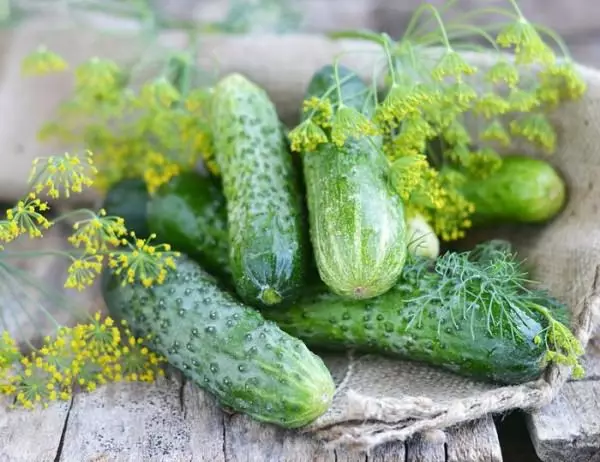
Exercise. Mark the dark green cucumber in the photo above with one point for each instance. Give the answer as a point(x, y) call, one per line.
point(266, 227)
point(127, 199)
point(224, 346)
point(523, 190)
point(189, 213)
point(357, 224)
point(447, 314)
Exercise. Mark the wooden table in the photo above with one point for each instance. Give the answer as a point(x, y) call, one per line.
point(173, 420)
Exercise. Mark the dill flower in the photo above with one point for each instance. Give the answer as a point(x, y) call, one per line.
point(159, 170)
point(350, 123)
point(496, 131)
point(482, 163)
point(452, 65)
point(144, 262)
point(98, 78)
point(522, 100)
point(69, 173)
point(503, 72)
point(159, 92)
point(562, 82)
point(536, 128)
point(320, 111)
point(43, 61)
point(83, 271)
point(306, 136)
point(490, 104)
point(98, 232)
point(27, 216)
point(529, 46)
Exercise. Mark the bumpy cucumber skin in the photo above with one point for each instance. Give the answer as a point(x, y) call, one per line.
point(267, 233)
point(189, 213)
point(381, 326)
point(523, 190)
point(225, 347)
point(128, 199)
point(357, 224)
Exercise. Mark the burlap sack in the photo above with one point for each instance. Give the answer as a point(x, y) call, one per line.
point(377, 400)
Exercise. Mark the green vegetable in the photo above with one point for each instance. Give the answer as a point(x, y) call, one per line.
point(224, 346)
point(189, 213)
point(465, 312)
point(523, 190)
point(127, 199)
point(266, 226)
point(357, 223)
point(422, 240)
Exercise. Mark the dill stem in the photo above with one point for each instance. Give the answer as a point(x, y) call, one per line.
point(517, 9)
point(37, 253)
point(67, 215)
point(336, 77)
point(554, 36)
point(388, 56)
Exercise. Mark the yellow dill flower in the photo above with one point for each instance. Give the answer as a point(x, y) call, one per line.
point(482, 163)
point(456, 134)
point(403, 101)
point(159, 92)
point(496, 131)
point(461, 94)
point(451, 220)
point(522, 100)
point(320, 111)
point(452, 65)
point(83, 271)
point(348, 122)
point(529, 46)
point(26, 216)
point(69, 173)
point(143, 262)
point(491, 104)
point(98, 77)
point(306, 136)
point(562, 82)
point(536, 128)
point(99, 232)
point(43, 61)
point(159, 170)
point(407, 172)
point(503, 72)
point(9, 353)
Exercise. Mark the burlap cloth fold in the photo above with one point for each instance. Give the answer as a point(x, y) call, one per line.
point(377, 400)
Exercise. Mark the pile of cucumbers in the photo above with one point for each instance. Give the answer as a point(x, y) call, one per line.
point(282, 257)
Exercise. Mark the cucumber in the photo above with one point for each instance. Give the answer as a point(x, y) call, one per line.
point(189, 213)
point(128, 199)
point(357, 223)
point(267, 235)
point(225, 347)
point(465, 316)
point(523, 190)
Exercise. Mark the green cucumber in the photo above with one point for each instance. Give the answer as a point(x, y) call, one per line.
point(189, 213)
point(268, 238)
point(224, 346)
point(523, 190)
point(357, 223)
point(127, 199)
point(466, 315)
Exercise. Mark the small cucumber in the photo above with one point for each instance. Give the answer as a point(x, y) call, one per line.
point(268, 237)
point(445, 313)
point(127, 199)
point(523, 190)
point(189, 213)
point(357, 224)
point(225, 347)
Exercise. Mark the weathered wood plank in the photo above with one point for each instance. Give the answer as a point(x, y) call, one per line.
point(568, 429)
point(128, 422)
point(31, 435)
point(474, 441)
point(429, 448)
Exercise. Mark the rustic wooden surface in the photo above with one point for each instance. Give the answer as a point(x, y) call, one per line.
point(569, 428)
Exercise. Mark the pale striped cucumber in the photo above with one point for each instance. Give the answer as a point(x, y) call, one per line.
point(357, 222)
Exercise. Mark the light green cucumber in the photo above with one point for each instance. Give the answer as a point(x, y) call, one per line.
point(523, 190)
point(357, 223)
point(267, 234)
point(224, 346)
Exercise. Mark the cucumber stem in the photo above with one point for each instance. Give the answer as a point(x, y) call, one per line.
point(270, 296)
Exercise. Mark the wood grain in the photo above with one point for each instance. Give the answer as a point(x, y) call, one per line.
point(569, 428)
